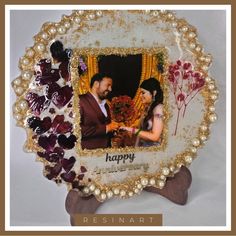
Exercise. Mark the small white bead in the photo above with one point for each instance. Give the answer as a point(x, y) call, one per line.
point(136, 190)
point(208, 59)
point(214, 96)
point(122, 193)
point(99, 13)
point(188, 159)
point(212, 117)
point(152, 181)
point(18, 116)
point(86, 190)
point(23, 104)
point(192, 45)
point(109, 194)
point(203, 127)
point(61, 30)
point(130, 194)
point(161, 183)
point(208, 79)
point(212, 108)
point(203, 138)
point(67, 24)
point(92, 187)
point(191, 35)
point(147, 11)
point(165, 171)
point(172, 168)
point(162, 177)
point(44, 35)
point(144, 181)
point(116, 191)
point(52, 30)
point(174, 24)
point(169, 15)
point(80, 12)
point(211, 86)
point(139, 186)
point(19, 90)
point(40, 47)
point(179, 165)
point(198, 49)
point(17, 81)
point(205, 67)
point(103, 196)
point(97, 191)
point(155, 13)
point(25, 61)
point(77, 20)
point(91, 16)
point(195, 142)
point(193, 149)
point(184, 29)
point(26, 75)
point(30, 53)
point(216, 91)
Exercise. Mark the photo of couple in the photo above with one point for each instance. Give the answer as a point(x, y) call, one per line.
point(99, 122)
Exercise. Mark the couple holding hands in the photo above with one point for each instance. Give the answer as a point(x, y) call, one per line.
point(97, 128)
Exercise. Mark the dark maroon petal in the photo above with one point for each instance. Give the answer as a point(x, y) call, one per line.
point(179, 63)
point(62, 96)
point(66, 143)
point(61, 127)
point(42, 154)
point(181, 97)
point(68, 176)
point(176, 67)
point(52, 110)
point(56, 121)
point(60, 152)
point(64, 70)
point(186, 65)
point(53, 171)
point(67, 164)
point(51, 89)
point(47, 143)
point(83, 169)
point(80, 177)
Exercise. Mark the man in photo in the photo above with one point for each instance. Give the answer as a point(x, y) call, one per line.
point(95, 118)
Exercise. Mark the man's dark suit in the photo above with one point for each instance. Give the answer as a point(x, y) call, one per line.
point(93, 123)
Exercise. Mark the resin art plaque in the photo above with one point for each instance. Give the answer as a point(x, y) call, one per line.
point(114, 101)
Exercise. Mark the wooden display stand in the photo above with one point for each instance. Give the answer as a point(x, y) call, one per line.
point(176, 190)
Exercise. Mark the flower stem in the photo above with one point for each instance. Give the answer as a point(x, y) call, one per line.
point(177, 121)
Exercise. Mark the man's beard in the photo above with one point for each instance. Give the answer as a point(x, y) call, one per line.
point(103, 95)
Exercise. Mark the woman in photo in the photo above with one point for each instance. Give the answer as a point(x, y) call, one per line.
point(151, 123)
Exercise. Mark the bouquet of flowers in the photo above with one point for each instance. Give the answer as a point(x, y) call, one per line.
point(122, 109)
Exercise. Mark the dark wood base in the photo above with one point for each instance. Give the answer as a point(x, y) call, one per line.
point(176, 190)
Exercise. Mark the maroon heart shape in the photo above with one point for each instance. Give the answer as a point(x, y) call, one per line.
point(67, 164)
point(68, 176)
point(53, 171)
point(47, 142)
point(60, 126)
point(66, 143)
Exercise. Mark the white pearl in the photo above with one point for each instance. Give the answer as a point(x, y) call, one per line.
point(192, 45)
point(165, 171)
point(25, 61)
point(144, 181)
point(208, 79)
point(211, 86)
point(23, 104)
point(136, 190)
point(155, 13)
point(152, 181)
point(193, 149)
point(77, 20)
point(139, 186)
point(195, 142)
point(61, 30)
point(188, 159)
point(67, 24)
point(86, 190)
point(198, 49)
point(122, 193)
point(109, 194)
point(52, 30)
point(92, 187)
point(205, 67)
point(184, 29)
point(80, 12)
point(174, 24)
point(19, 90)
point(30, 53)
point(208, 59)
point(40, 47)
point(214, 97)
point(213, 117)
point(16, 108)
point(97, 191)
point(44, 35)
point(172, 168)
point(130, 194)
point(17, 81)
point(147, 11)
point(179, 165)
point(162, 177)
point(103, 196)
point(91, 16)
point(203, 127)
point(161, 183)
point(26, 75)
point(99, 13)
point(170, 15)
point(191, 35)
point(18, 116)
point(116, 191)
point(216, 91)
point(203, 138)
point(212, 108)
